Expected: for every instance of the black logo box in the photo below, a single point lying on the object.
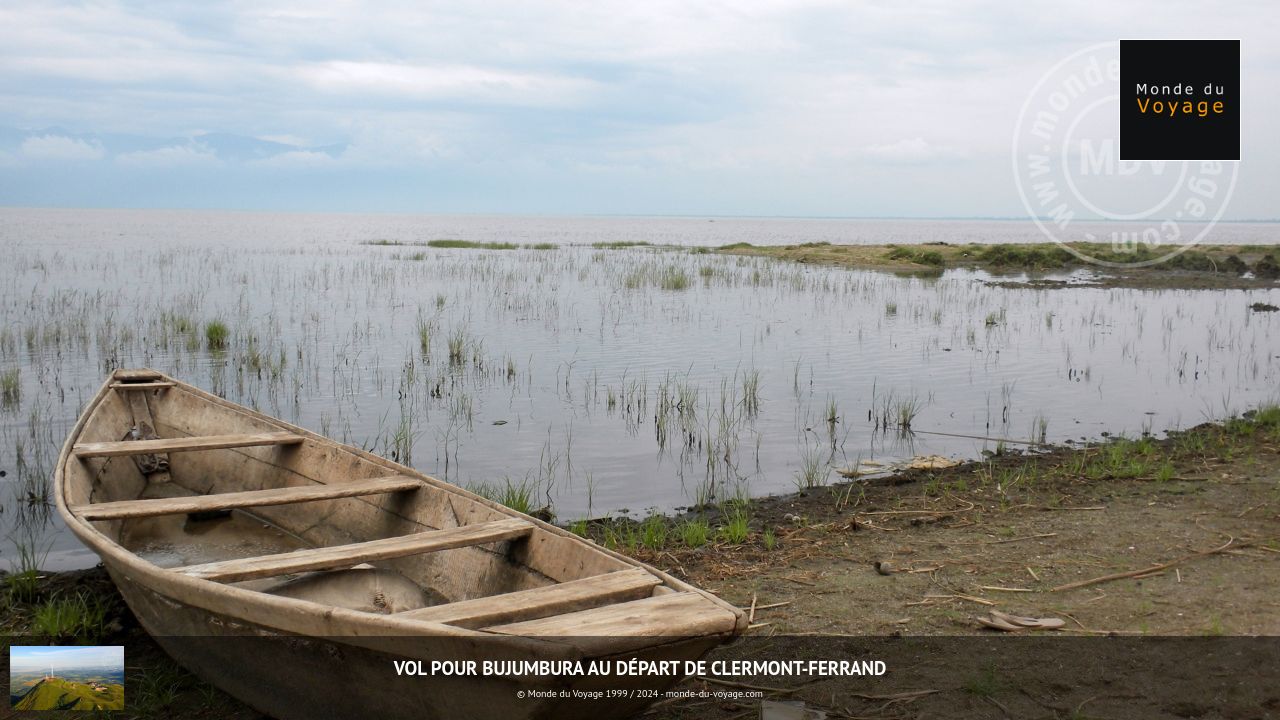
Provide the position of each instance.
(1160, 77)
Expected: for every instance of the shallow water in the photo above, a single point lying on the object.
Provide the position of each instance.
(601, 380)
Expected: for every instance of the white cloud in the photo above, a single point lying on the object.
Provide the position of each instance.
(60, 147)
(425, 82)
(169, 157)
(308, 159)
(910, 151)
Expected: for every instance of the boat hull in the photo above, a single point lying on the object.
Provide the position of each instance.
(294, 677)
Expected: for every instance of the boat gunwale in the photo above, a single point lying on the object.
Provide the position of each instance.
(294, 615)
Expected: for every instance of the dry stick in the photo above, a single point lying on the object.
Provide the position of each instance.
(751, 617)
(981, 437)
(1146, 570)
(1003, 589)
(1008, 540)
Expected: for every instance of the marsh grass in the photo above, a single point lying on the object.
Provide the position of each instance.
(813, 471)
(519, 496)
(471, 244)
(216, 335)
(620, 244)
(10, 388)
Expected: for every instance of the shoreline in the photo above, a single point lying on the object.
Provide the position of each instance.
(1200, 267)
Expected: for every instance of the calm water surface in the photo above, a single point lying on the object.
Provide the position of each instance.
(603, 380)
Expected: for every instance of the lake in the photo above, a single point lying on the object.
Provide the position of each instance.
(597, 380)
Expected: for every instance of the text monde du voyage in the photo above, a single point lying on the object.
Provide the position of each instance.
(1180, 99)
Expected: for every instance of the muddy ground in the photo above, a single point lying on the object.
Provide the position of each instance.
(1122, 541)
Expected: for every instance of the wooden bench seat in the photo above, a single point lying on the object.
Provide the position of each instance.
(342, 556)
(185, 444)
(245, 499)
(628, 625)
(540, 602)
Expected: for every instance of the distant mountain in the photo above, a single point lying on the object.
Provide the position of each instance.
(59, 694)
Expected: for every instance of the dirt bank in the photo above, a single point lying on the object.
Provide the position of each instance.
(1202, 267)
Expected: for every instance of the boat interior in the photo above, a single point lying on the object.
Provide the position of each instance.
(202, 487)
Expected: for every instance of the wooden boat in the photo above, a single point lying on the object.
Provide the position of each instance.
(292, 571)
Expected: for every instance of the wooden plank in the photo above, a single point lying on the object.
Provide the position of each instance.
(540, 602)
(251, 498)
(186, 444)
(685, 614)
(128, 375)
(341, 556)
(142, 385)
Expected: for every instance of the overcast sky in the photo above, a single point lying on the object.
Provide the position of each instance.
(736, 108)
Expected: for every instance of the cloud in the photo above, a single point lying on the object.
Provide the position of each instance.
(60, 147)
(170, 157)
(910, 151)
(443, 82)
(306, 159)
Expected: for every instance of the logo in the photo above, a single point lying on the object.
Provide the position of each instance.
(1072, 176)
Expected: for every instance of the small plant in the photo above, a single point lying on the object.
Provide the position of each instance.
(737, 524)
(813, 470)
(770, 539)
(457, 347)
(653, 532)
(674, 278)
(216, 335)
(81, 618)
(694, 532)
(10, 388)
(580, 527)
(517, 496)
(425, 330)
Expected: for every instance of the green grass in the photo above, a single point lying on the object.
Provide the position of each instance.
(60, 694)
(653, 532)
(770, 539)
(620, 244)
(543, 246)
(472, 244)
(10, 387)
(1031, 257)
(813, 471)
(736, 246)
(693, 532)
(674, 278)
(517, 496)
(932, 258)
(216, 335)
(737, 526)
(81, 617)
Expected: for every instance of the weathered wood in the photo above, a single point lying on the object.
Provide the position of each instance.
(141, 385)
(683, 614)
(136, 375)
(172, 603)
(340, 556)
(187, 444)
(540, 602)
(249, 498)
